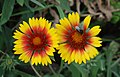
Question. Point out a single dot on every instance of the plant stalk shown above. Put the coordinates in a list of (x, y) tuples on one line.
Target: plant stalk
[(35, 70)]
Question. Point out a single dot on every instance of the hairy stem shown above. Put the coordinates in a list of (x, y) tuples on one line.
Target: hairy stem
[(35, 70)]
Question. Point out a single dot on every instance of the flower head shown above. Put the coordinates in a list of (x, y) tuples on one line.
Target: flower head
[(35, 41), (77, 41)]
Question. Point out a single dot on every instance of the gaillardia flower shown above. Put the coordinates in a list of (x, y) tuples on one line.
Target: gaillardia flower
[(77, 41), (35, 41)]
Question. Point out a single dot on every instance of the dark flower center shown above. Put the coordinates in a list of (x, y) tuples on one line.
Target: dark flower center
[(76, 40)]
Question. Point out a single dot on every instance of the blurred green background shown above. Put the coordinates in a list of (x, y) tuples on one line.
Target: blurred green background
[(105, 13)]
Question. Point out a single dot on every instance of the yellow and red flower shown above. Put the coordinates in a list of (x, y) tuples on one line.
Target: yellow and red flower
[(35, 41), (77, 41)]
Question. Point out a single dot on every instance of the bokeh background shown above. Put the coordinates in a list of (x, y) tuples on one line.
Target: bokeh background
[(105, 13)]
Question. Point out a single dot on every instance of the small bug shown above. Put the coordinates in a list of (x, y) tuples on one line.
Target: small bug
[(79, 29)]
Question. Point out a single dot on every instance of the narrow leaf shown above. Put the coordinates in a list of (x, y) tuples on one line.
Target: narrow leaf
[(35, 9), (28, 6), (116, 62), (6, 11), (116, 74), (20, 2), (60, 11), (38, 3)]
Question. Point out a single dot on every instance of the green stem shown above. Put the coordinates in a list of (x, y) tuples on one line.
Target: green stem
[(61, 67), (35, 70), (117, 61), (0, 14), (2, 52), (1, 58), (56, 75)]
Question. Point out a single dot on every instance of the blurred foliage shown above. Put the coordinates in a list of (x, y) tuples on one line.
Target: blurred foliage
[(105, 13)]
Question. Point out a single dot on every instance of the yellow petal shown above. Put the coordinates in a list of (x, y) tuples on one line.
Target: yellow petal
[(95, 41), (50, 51), (53, 39), (60, 29), (86, 22), (18, 46), (94, 31), (61, 47), (48, 60), (31, 22), (48, 25), (41, 23), (67, 57), (33, 60), (72, 57), (18, 35), (77, 56), (86, 55), (74, 19), (25, 56), (64, 51), (92, 52), (28, 56), (65, 23), (52, 31), (63, 54), (18, 51), (80, 58), (44, 61), (39, 59), (24, 27), (83, 59)]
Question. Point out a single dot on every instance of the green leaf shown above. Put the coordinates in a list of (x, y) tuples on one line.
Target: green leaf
[(17, 73), (114, 46), (115, 19), (6, 11), (74, 70), (1, 71), (112, 49), (60, 11), (64, 5), (38, 3), (115, 63), (20, 2), (35, 9), (115, 70), (47, 75), (7, 35), (115, 4), (116, 74), (116, 13), (96, 65), (28, 6), (84, 72), (25, 17), (1, 41), (58, 75)]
